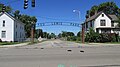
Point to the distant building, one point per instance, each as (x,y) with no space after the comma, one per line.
(102,23)
(11,29)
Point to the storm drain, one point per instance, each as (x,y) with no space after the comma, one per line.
(69,50)
(82,51)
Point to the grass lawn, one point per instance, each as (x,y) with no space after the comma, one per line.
(113,43)
(8,43)
(35,42)
(101,43)
(76,41)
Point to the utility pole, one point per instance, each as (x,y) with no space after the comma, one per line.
(33,24)
(32,32)
(83,32)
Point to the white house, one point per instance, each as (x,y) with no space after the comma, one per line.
(102,23)
(11,29)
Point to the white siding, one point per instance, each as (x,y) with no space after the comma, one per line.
(107,28)
(97,21)
(9,25)
(10,28)
(20,31)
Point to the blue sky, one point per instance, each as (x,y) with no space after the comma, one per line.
(61,10)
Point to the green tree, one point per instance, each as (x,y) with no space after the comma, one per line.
(53,35)
(118,23)
(70,34)
(107,7)
(38,33)
(92,36)
(45,34)
(59,35)
(17,14)
(93,10)
(28,20)
(8,8)
(64,34)
(79,34)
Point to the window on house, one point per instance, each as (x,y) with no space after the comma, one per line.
(105,30)
(20,34)
(16,26)
(86,25)
(112,23)
(16,34)
(3,34)
(3,23)
(102,23)
(97,30)
(90,24)
(102,15)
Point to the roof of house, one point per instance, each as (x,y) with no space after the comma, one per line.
(11,17)
(112,17)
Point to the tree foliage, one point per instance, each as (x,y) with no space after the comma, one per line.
(52,35)
(107,7)
(70,36)
(8,8)
(45,35)
(79,34)
(59,35)
(38,33)
(118,22)
(92,36)
(27,20)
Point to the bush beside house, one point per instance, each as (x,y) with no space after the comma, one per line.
(92,36)
(0,40)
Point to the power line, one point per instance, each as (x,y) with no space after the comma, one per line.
(49,18)
(56,18)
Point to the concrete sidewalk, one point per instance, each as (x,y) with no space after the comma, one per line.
(15,45)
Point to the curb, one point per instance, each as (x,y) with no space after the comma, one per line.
(99,44)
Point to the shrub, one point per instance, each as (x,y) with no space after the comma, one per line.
(78,39)
(119,39)
(92,36)
(0,40)
(72,38)
(104,38)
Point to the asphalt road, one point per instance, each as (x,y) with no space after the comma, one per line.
(60,54)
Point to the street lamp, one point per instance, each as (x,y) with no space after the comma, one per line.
(77,11)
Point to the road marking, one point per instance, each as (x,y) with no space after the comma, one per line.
(52,44)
